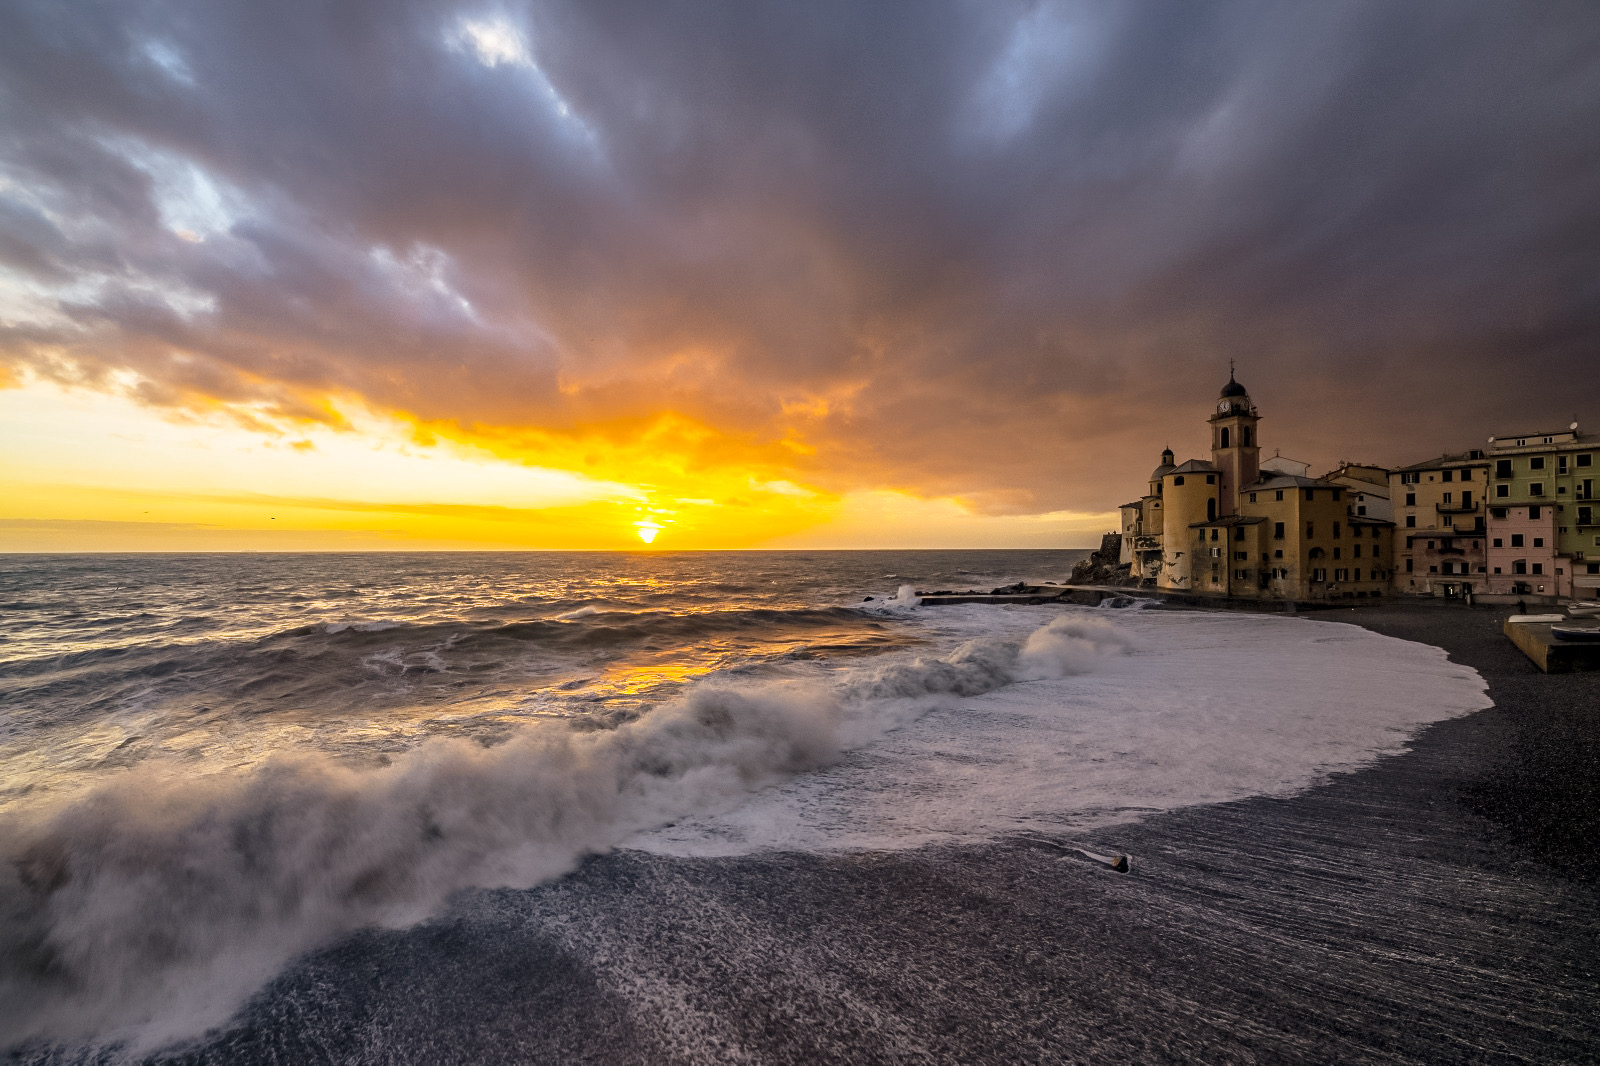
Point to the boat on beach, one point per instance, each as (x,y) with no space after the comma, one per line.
(1584,609)
(1587,634)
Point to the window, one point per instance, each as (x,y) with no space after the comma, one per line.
(1502,468)
(1536,463)
(1430,545)
(1516,540)
(1336,553)
(1338,494)
(1178,480)
(1498,512)
(1561,464)
(1585,516)
(1408,566)
(1242,557)
(1538,542)
(1502,491)
(1211,479)
(1411,499)
(1358,573)
(1538,568)
(1280,494)
(1519,566)
(1497,569)
(1357,553)
(1447,497)
(1497,543)
(1536,488)
(1361,510)
(1447,475)
(1466,475)
(1224,441)
(1594,568)
(1311,529)
(1433,569)
(1277,531)
(1336,531)
(1311,494)
(1585,460)
(1213,534)
(1278,554)
(1341,574)
(1244,436)
(1252,497)
(1534,513)
(1238,532)
(1411,521)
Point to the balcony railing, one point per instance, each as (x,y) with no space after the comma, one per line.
(1459,508)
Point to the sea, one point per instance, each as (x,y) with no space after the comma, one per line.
(212,765)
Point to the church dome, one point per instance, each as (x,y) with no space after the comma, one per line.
(1165,468)
(1233,388)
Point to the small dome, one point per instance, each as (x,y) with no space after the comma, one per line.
(1233,388)
(1165,468)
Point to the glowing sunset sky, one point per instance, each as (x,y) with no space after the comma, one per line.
(385,275)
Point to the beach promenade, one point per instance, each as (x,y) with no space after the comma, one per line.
(1442,906)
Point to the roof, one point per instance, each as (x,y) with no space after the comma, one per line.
(1195,466)
(1135,503)
(1500,438)
(1229,520)
(1292,481)
(1233,388)
(1368,520)
(1456,459)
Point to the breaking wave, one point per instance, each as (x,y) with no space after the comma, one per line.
(149,909)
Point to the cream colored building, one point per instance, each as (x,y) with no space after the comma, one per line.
(1440,535)
(1225,527)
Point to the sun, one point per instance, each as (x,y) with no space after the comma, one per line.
(647,530)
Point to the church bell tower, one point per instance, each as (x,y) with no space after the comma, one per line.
(1235,451)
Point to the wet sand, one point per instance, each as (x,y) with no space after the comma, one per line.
(1442,906)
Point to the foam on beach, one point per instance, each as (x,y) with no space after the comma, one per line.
(1208,708)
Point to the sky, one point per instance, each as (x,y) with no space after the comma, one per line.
(597,274)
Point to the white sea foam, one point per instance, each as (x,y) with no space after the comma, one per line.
(150,908)
(1211,707)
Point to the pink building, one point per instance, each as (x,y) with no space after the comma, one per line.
(1522,552)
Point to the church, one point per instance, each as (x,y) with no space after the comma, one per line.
(1233,526)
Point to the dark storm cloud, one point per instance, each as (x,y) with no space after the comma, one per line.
(999,250)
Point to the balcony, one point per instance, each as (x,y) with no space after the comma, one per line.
(1458,508)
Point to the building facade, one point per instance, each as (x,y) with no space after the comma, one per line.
(1369,493)
(1544,539)
(1441,536)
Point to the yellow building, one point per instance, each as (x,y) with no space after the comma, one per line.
(1225,527)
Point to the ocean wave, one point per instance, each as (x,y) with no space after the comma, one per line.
(147,910)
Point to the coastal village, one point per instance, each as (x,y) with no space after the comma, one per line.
(1512,521)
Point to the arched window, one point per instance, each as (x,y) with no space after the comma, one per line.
(1244,436)
(1316,553)
(1224,436)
